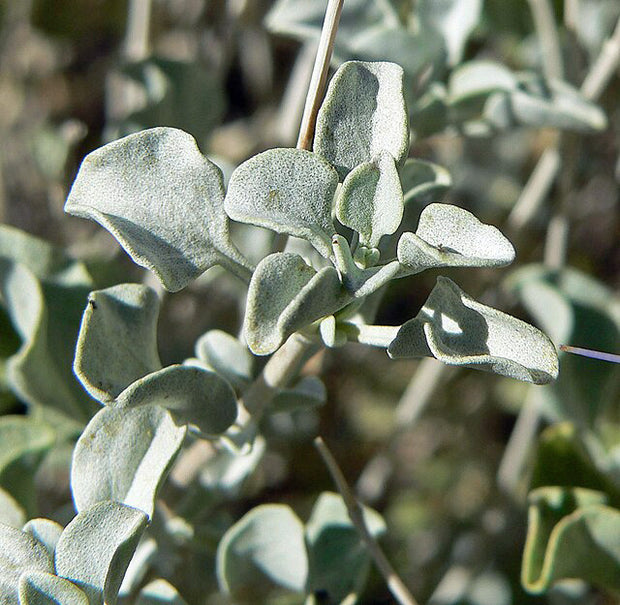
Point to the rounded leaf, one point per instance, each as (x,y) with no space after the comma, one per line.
(448,236)
(117,343)
(159,592)
(571,534)
(96,547)
(45,531)
(288,191)
(124,455)
(363,114)
(40,588)
(461,331)
(265,544)
(226,355)
(161,199)
(192,395)
(19,552)
(285,295)
(339,560)
(371,200)
(422,180)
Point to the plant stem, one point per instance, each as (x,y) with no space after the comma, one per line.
(319,74)
(136,46)
(396,586)
(541,180)
(547,32)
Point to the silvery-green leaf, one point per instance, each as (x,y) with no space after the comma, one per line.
(288,191)
(303,19)
(42,258)
(594,23)
(455,19)
(309,392)
(461,331)
(19,552)
(124,455)
(159,592)
(96,547)
(415,51)
(551,104)
(371,199)
(191,394)
(226,355)
(46,531)
(479,79)
(138,567)
(573,307)
(338,559)
(41,588)
(117,343)
(423,180)
(571,534)
(45,315)
(448,236)
(363,114)
(285,295)
(162,200)
(266,544)
(167,92)
(331,336)
(11,513)
(22,436)
(226,471)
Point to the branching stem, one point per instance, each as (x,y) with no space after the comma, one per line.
(396,586)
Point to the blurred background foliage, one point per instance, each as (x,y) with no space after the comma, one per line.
(447,456)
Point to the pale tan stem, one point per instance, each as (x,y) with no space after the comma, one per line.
(138,24)
(319,74)
(396,586)
(547,33)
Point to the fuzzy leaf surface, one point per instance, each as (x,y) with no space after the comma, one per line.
(571,534)
(448,236)
(225,355)
(96,548)
(288,191)
(161,199)
(458,330)
(117,343)
(191,394)
(371,200)
(41,588)
(285,295)
(124,455)
(363,114)
(19,552)
(267,542)
(46,531)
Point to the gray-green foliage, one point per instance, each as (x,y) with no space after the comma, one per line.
(167,206)
(82,564)
(324,556)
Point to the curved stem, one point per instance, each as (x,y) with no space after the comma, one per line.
(396,586)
